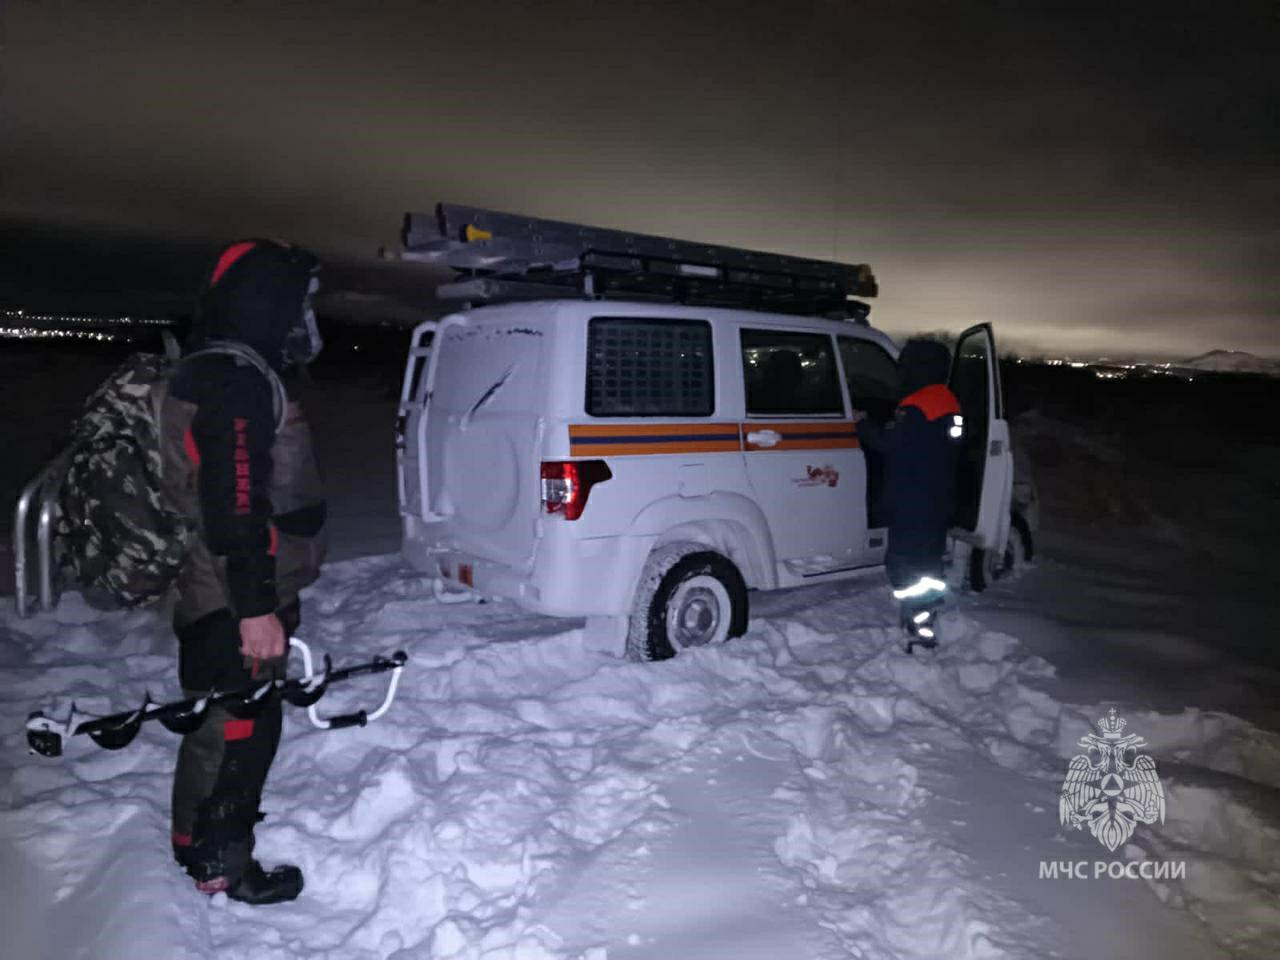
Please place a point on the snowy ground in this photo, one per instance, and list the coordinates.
(806, 791)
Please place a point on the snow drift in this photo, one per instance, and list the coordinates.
(793, 793)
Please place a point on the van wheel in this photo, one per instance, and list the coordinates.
(985, 568)
(1023, 545)
(688, 597)
(988, 566)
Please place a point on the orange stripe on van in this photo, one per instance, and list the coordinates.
(809, 435)
(625, 440)
(632, 439)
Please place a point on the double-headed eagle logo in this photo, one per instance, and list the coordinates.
(1111, 787)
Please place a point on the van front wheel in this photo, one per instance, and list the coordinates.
(687, 598)
(987, 566)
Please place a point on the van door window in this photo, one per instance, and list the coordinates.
(645, 367)
(971, 383)
(872, 377)
(790, 374)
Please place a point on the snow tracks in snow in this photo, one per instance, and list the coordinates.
(805, 791)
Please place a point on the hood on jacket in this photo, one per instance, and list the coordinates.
(921, 363)
(256, 294)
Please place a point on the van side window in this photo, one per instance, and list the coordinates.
(788, 373)
(645, 367)
(871, 375)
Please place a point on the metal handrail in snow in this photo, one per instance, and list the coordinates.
(43, 489)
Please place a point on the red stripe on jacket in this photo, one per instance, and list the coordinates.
(230, 256)
(189, 444)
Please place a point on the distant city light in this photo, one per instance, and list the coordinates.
(20, 314)
(44, 333)
(26, 325)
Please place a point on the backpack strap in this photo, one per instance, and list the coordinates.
(243, 351)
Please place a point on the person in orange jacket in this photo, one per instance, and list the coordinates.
(921, 450)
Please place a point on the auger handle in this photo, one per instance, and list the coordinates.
(360, 718)
(357, 719)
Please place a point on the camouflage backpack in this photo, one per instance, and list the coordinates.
(118, 535)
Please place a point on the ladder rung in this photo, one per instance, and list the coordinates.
(516, 257)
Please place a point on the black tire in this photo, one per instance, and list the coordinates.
(985, 569)
(709, 580)
(1023, 530)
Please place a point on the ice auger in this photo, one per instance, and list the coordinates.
(46, 735)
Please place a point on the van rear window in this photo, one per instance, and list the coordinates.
(646, 367)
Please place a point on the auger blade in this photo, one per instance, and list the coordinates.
(246, 704)
(305, 694)
(47, 736)
(188, 721)
(120, 736)
(47, 743)
(44, 736)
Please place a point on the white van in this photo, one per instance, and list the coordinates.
(646, 464)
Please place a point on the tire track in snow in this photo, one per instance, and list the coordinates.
(519, 766)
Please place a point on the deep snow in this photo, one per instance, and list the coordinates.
(805, 791)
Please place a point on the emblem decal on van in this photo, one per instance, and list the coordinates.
(817, 476)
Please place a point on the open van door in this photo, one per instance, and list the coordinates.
(986, 462)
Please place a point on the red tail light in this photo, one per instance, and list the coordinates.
(566, 484)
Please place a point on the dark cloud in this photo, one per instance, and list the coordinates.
(1078, 172)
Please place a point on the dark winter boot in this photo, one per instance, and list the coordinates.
(920, 621)
(921, 593)
(258, 886)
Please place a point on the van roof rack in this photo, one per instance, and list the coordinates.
(506, 256)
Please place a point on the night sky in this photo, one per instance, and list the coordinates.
(1094, 178)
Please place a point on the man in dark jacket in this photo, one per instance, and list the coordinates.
(237, 460)
(921, 450)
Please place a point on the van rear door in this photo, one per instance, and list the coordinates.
(986, 463)
(480, 433)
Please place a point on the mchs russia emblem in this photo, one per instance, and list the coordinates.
(1111, 787)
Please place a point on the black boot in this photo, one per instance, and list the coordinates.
(919, 621)
(258, 886)
(220, 857)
